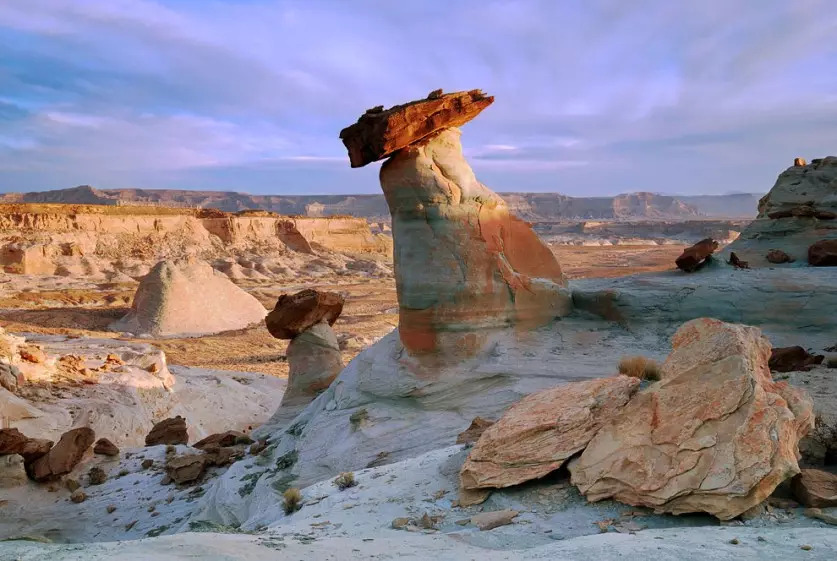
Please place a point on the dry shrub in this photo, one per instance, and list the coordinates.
(639, 367)
(293, 500)
(345, 480)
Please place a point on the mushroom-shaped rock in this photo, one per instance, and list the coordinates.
(716, 434)
(296, 313)
(188, 297)
(64, 456)
(379, 133)
(464, 264)
(168, 431)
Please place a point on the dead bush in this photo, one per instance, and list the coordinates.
(639, 367)
(345, 480)
(293, 500)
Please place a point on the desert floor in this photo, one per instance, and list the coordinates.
(80, 308)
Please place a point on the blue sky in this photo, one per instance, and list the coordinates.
(592, 97)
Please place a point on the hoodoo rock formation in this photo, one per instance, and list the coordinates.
(188, 297)
(313, 354)
(799, 211)
(463, 263)
(715, 435)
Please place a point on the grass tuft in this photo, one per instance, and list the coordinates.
(639, 367)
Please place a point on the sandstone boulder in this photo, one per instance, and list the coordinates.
(64, 456)
(464, 265)
(716, 434)
(105, 447)
(693, 258)
(188, 297)
(168, 431)
(12, 441)
(543, 430)
(35, 448)
(379, 133)
(10, 377)
(12, 471)
(789, 359)
(799, 162)
(296, 313)
(222, 440)
(778, 257)
(188, 468)
(815, 488)
(823, 253)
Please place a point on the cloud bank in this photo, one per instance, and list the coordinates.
(593, 97)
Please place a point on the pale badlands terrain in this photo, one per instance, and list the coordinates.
(440, 384)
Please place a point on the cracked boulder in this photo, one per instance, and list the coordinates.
(64, 456)
(716, 434)
(464, 264)
(538, 434)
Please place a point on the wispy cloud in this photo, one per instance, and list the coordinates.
(599, 96)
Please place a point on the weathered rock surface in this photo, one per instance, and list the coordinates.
(819, 447)
(12, 471)
(168, 431)
(10, 377)
(489, 520)
(799, 210)
(474, 431)
(815, 488)
(778, 257)
(379, 133)
(463, 263)
(188, 468)
(693, 258)
(543, 430)
(105, 447)
(188, 297)
(314, 361)
(823, 253)
(12, 441)
(715, 435)
(788, 359)
(64, 456)
(296, 313)
(222, 440)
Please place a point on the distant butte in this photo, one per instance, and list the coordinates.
(379, 132)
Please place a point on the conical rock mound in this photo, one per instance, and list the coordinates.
(188, 297)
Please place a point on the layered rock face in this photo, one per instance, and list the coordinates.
(464, 264)
(715, 435)
(800, 210)
(543, 430)
(188, 297)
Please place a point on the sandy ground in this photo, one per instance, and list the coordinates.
(76, 307)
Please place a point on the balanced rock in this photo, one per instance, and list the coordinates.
(64, 456)
(188, 297)
(777, 257)
(543, 430)
(815, 488)
(12, 471)
(105, 447)
(823, 253)
(379, 133)
(716, 434)
(693, 258)
(790, 359)
(464, 264)
(168, 431)
(799, 211)
(296, 313)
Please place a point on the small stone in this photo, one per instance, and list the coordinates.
(151, 508)
(78, 496)
(806, 547)
(400, 523)
(130, 525)
(105, 447)
(111, 509)
(71, 485)
(96, 476)
(147, 463)
(734, 541)
(489, 520)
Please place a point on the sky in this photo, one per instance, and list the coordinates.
(592, 97)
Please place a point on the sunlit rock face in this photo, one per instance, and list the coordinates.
(464, 265)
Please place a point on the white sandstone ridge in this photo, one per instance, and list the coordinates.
(121, 389)
(188, 297)
(799, 210)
